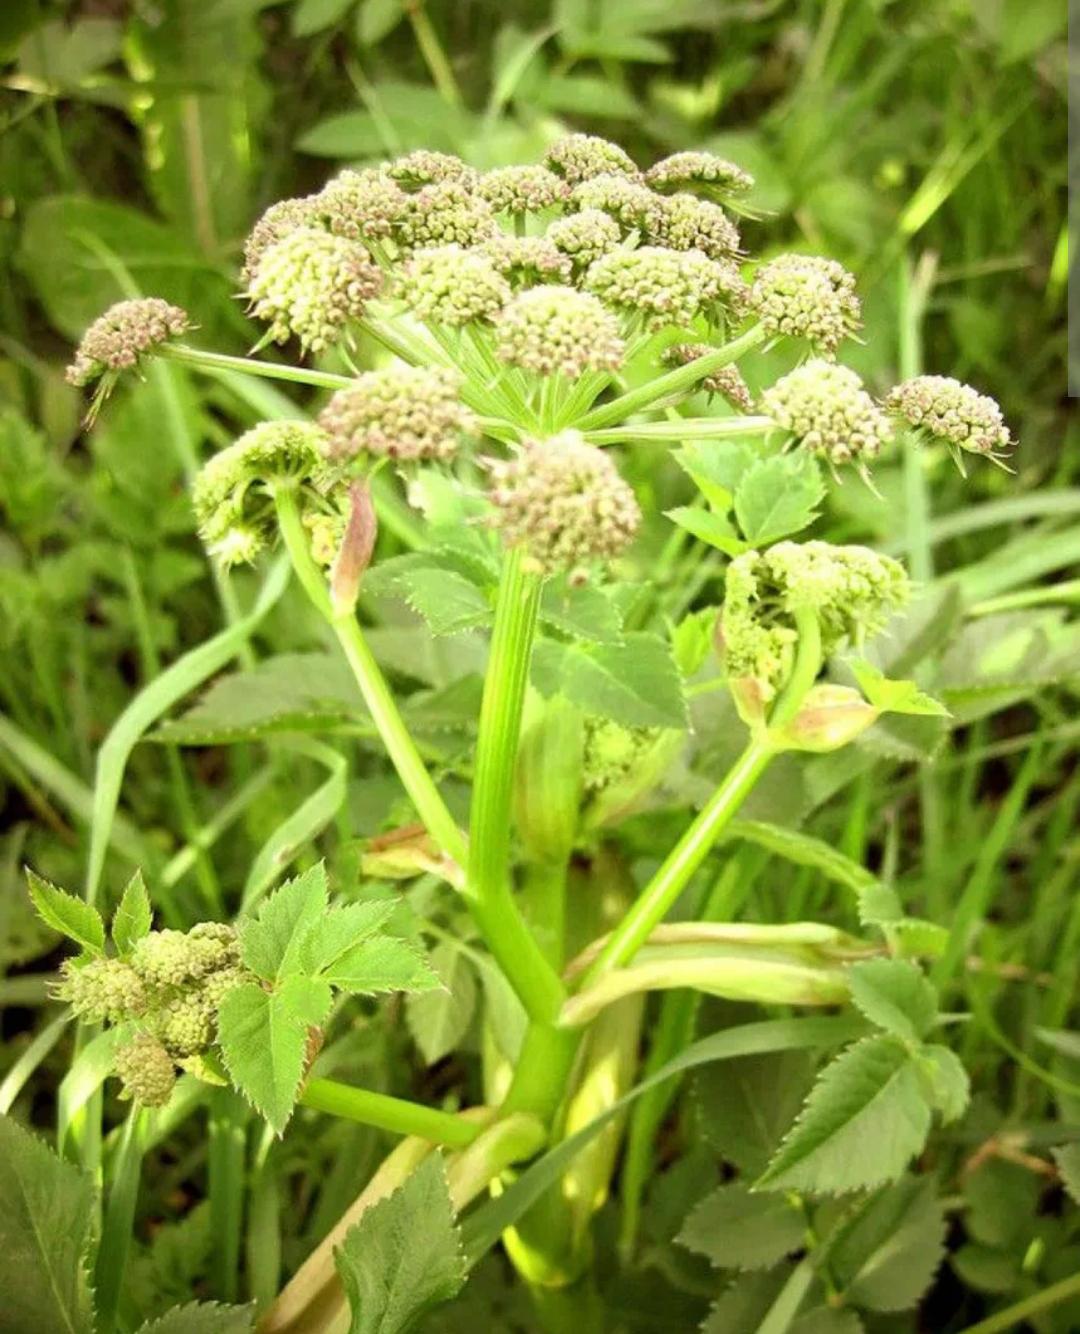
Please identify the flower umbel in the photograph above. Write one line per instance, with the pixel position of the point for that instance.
(552, 330)
(119, 339)
(564, 502)
(580, 157)
(662, 286)
(728, 381)
(807, 297)
(400, 412)
(524, 189)
(584, 236)
(948, 410)
(146, 1070)
(449, 285)
(828, 411)
(699, 171)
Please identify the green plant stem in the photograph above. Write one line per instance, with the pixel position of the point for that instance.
(397, 1115)
(658, 897)
(227, 1136)
(1034, 1305)
(270, 370)
(118, 1221)
(1068, 590)
(400, 746)
(442, 75)
(487, 886)
(677, 381)
(684, 428)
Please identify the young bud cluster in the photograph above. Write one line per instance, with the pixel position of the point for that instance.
(851, 589)
(614, 753)
(564, 502)
(424, 166)
(629, 203)
(310, 284)
(829, 413)
(231, 494)
(359, 205)
(525, 260)
(146, 1070)
(448, 212)
(584, 236)
(127, 332)
(400, 412)
(805, 296)
(580, 157)
(728, 381)
(693, 170)
(558, 330)
(948, 410)
(685, 222)
(524, 189)
(449, 285)
(662, 286)
(102, 990)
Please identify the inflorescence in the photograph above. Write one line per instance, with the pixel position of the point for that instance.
(830, 414)
(127, 332)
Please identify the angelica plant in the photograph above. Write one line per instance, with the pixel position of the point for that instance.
(498, 353)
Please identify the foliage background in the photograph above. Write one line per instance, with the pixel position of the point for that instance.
(923, 144)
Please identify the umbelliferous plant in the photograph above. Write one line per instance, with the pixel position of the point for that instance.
(499, 352)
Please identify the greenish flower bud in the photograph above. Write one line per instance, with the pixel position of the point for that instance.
(584, 236)
(564, 502)
(310, 284)
(426, 167)
(684, 222)
(948, 410)
(448, 285)
(398, 412)
(215, 986)
(185, 1025)
(524, 189)
(127, 332)
(325, 533)
(276, 223)
(359, 204)
(447, 213)
(728, 381)
(558, 330)
(852, 590)
(580, 157)
(167, 960)
(829, 413)
(623, 764)
(525, 260)
(805, 296)
(102, 990)
(702, 171)
(829, 717)
(662, 286)
(146, 1071)
(632, 205)
(231, 494)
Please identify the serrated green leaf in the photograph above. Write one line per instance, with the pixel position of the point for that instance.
(202, 1318)
(716, 468)
(339, 930)
(885, 1256)
(438, 1019)
(72, 917)
(776, 497)
(133, 916)
(583, 613)
(710, 527)
(864, 1120)
(744, 1303)
(737, 1230)
(271, 942)
(805, 850)
(634, 683)
(915, 938)
(379, 965)
(894, 995)
(748, 1103)
(947, 1081)
(894, 696)
(264, 1041)
(827, 1320)
(403, 1256)
(45, 1229)
(878, 904)
(448, 602)
(1067, 1157)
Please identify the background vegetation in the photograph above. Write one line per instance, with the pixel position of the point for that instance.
(923, 144)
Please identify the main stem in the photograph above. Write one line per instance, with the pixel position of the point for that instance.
(410, 768)
(487, 886)
(397, 1115)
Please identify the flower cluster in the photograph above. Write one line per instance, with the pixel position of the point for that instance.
(851, 589)
(580, 157)
(685, 222)
(524, 189)
(231, 497)
(449, 212)
(830, 414)
(400, 412)
(806, 296)
(584, 236)
(424, 166)
(528, 259)
(728, 381)
(170, 989)
(629, 203)
(699, 171)
(944, 409)
(127, 332)
(558, 330)
(310, 284)
(614, 753)
(662, 286)
(562, 500)
(449, 285)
